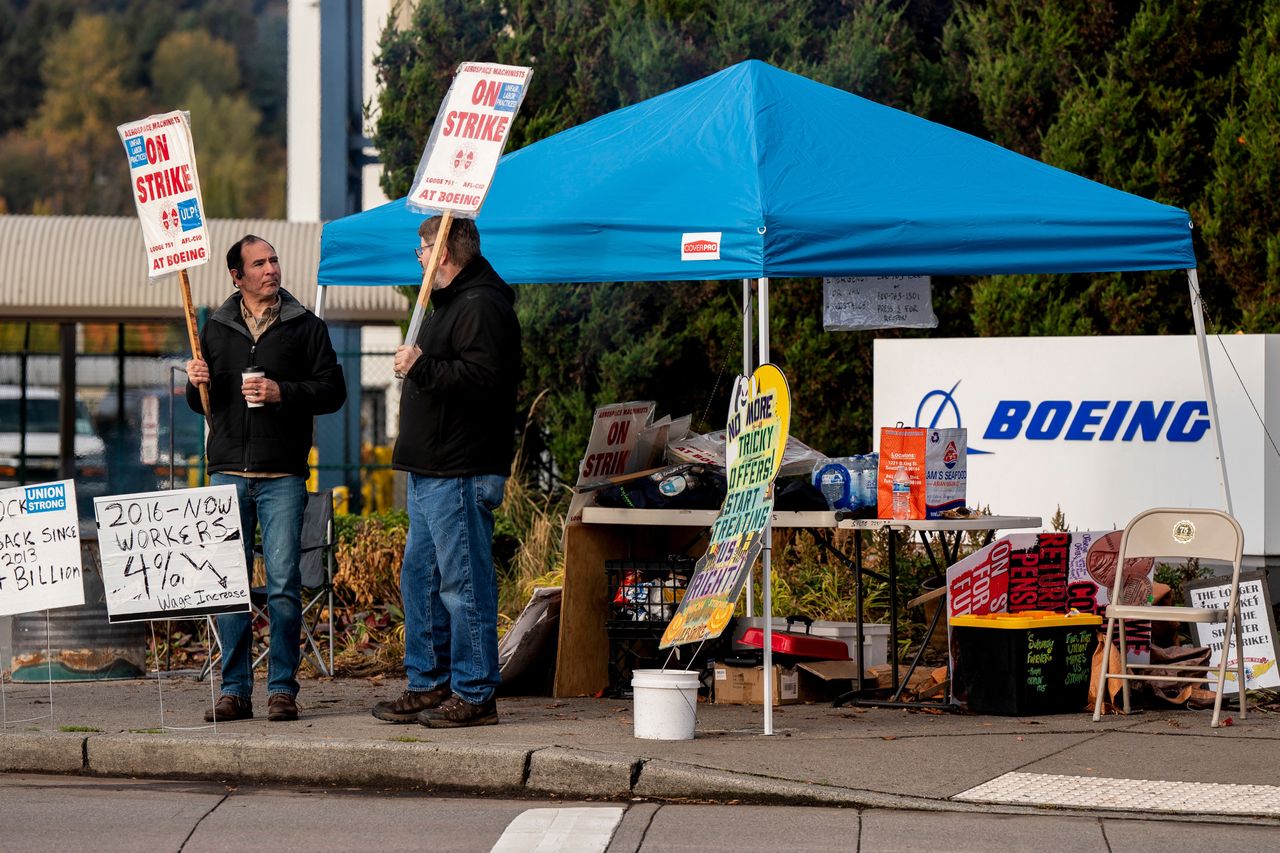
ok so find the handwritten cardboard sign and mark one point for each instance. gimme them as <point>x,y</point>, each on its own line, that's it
<point>1257,625</point>
<point>166,191</point>
<point>467,139</point>
<point>173,554</point>
<point>759,419</point>
<point>877,302</point>
<point>39,548</point>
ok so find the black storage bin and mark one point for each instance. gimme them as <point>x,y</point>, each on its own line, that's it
<point>1019,664</point>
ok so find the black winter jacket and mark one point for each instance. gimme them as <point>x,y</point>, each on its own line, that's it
<point>295,351</point>
<point>458,403</point>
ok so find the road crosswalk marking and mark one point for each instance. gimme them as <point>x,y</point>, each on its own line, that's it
<point>564,830</point>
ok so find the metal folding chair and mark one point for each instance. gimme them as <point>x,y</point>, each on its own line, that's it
<point>316,561</point>
<point>1182,534</point>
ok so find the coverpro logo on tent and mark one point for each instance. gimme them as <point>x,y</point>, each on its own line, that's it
<point>700,246</point>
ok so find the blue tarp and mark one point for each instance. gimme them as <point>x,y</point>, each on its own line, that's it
<point>800,179</point>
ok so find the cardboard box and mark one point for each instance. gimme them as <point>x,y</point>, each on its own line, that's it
<point>936,463</point>
<point>744,685</point>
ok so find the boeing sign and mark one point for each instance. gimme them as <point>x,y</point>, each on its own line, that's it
<point>1099,428</point>
<point>1099,420</point>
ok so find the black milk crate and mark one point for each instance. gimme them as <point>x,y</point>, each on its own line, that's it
<point>646,590</point>
<point>643,596</point>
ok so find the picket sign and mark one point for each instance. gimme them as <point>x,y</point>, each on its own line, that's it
<point>461,155</point>
<point>162,167</point>
<point>1258,628</point>
<point>173,554</point>
<point>757,426</point>
<point>40,565</point>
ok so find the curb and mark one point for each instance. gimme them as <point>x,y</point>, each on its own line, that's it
<point>508,770</point>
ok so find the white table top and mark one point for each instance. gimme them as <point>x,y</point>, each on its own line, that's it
<point>705,518</point>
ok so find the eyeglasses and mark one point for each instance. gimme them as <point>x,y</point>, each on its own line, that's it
<point>422,249</point>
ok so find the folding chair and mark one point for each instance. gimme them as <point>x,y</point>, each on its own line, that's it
<point>316,568</point>
<point>1177,533</point>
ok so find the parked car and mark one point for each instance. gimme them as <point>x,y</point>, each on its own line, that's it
<point>42,441</point>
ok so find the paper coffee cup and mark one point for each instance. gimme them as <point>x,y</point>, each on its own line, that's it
<point>252,373</point>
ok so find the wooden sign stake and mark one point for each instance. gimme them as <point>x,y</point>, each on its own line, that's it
<point>428,279</point>
<point>193,335</point>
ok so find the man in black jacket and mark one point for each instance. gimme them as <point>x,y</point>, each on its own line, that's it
<point>262,423</point>
<point>457,440</point>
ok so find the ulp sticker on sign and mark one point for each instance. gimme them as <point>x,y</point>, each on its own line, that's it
<point>700,246</point>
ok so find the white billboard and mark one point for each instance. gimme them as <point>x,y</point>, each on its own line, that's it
<point>1103,427</point>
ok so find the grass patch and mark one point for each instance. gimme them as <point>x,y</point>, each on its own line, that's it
<point>407,739</point>
<point>78,729</point>
<point>147,731</point>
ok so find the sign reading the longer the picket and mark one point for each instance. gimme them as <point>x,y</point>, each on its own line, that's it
<point>467,139</point>
<point>166,191</point>
<point>172,554</point>
<point>39,548</point>
<point>1259,653</point>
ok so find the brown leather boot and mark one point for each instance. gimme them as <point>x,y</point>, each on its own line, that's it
<point>406,707</point>
<point>455,713</point>
<point>281,708</point>
<point>229,708</point>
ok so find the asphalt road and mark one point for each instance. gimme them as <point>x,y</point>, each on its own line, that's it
<point>67,813</point>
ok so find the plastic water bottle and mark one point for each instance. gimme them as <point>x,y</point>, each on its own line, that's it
<point>871,480</point>
<point>901,493</point>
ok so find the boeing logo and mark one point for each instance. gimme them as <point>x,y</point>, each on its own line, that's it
<point>944,408</point>
<point>1074,420</point>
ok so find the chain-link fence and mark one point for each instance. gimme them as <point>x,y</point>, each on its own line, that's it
<point>133,429</point>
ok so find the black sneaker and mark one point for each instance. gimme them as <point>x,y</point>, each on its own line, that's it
<point>406,707</point>
<point>455,713</point>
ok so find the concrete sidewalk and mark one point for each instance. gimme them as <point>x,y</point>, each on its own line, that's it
<point>584,748</point>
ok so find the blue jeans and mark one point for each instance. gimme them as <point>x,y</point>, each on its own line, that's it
<point>449,585</point>
<point>277,504</point>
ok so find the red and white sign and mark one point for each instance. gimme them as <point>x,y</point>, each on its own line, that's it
<point>166,191</point>
<point>700,246</point>
<point>467,139</point>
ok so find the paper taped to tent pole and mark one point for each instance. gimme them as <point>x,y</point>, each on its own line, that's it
<point>166,191</point>
<point>173,554</point>
<point>39,548</point>
<point>855,303</point>
<point>467,139</point>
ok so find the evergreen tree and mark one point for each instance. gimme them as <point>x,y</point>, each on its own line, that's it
<point>1241,219</point>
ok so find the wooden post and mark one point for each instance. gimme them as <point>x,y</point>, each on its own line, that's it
<point>193,334</point>
<point>428,279</point>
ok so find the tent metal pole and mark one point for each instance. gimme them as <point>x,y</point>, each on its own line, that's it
<point>762,297</point>
<point>746,372</point>
<point>766,555</point>
<point>1197,314</point>
<point>320,292</point>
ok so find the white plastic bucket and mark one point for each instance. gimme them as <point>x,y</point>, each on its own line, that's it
<point>666,703</point>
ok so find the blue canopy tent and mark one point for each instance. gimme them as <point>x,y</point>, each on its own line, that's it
<point>798,179</point>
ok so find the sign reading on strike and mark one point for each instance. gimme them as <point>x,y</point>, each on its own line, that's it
<point>39,548</point>
<point>759,419</point>
<point>166,191</point>
<point>467,139</point>
<point>172,554</point>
